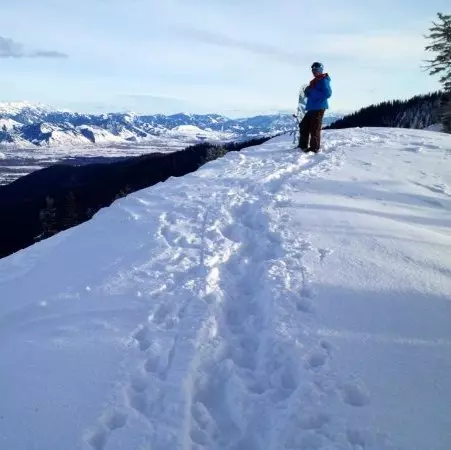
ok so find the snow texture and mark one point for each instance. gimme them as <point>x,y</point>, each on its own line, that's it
<point>271,300</point>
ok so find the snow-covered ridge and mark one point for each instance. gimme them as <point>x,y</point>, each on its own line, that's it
<point>28,125</point>
<point>269,301</point>
<point>14,108</point>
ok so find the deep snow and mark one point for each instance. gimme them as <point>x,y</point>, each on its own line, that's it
<point>271,300</point>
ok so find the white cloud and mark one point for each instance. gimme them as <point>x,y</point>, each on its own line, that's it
<point>12,49</point>
<point>376,46</point>
<point>221,40</point>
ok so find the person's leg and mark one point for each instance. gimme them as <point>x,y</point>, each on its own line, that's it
<point>304,131</point>
<point>316,124</point>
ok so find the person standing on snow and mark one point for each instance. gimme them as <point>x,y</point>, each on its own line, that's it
<point>317,93</point>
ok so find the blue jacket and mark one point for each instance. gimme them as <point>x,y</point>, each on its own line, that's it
<point>317,94</point>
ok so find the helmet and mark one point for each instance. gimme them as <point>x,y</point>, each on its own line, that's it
<point>317,67</point>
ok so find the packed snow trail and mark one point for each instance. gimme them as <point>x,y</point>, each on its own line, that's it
<point>271,300</point>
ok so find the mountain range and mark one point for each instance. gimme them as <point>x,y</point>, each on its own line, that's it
<point>25,125</point>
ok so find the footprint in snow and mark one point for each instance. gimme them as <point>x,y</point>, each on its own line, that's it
<point>324,253</point>
<point>304,305</point>
<point>98,439</point>
<point>152,364</point>
<point>313,421</point>
<point>356,438</point>
<point>139,383</point>
<point>284,379</point>
<point>203,427</point>
<point>114,419</point>
<point>142,339</point>
<point>355,393</point>
<point>317,359</point>
<point>304,301</point>
<point>138,401</point>
<point>110,421</point>
<point>160,314</point>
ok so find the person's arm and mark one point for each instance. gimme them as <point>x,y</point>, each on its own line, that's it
<point>326,88</point>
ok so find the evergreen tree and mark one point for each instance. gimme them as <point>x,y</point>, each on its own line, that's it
<point>446,116</point>
<point>440,35</point>
<point>215,153</point>
<point>70,211</point>
<point>417,112</point>
<point>123,192</point>
<point>47,218</point>
<point>89,213</point>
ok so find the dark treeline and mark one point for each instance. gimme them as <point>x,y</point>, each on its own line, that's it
<point>420,112</point>
<point>58,197</point>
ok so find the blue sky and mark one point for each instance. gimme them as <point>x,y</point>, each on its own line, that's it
<point>237,57</point>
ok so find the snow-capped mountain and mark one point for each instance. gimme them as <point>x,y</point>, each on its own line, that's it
<point>270,300</point>
<point>28,125</point>
<point>26,111</point>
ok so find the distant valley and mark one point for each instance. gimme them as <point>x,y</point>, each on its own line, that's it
<point>36,136</point>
